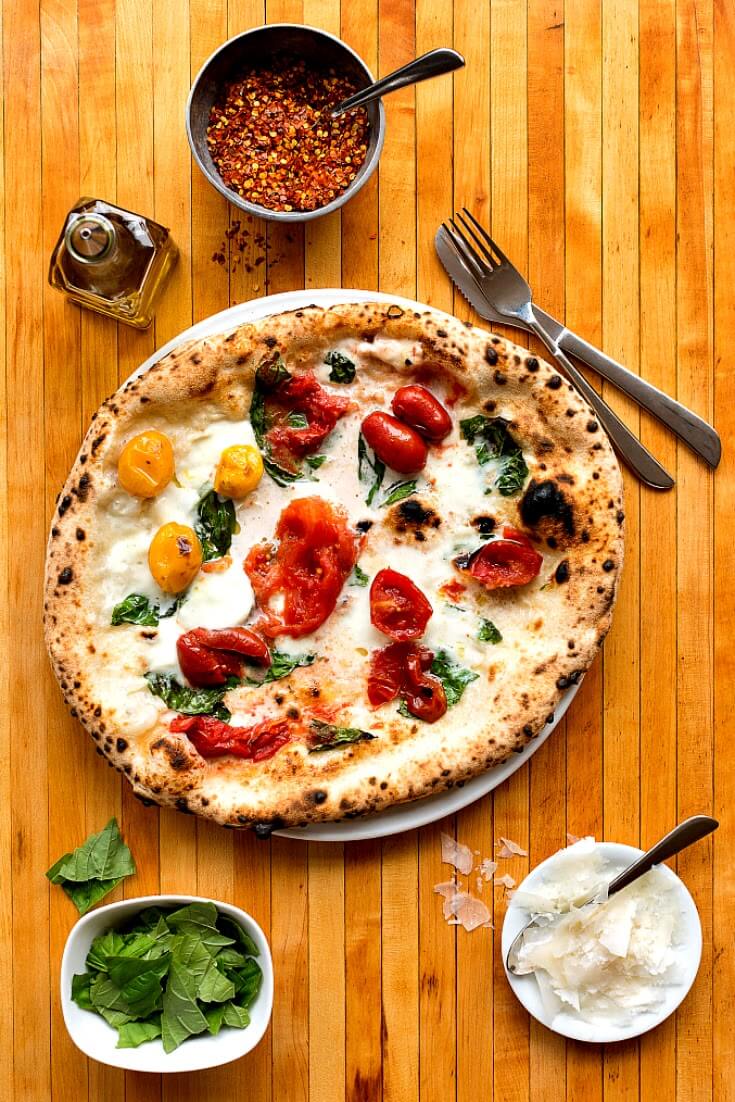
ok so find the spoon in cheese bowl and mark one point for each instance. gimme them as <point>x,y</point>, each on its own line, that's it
<point>685,834</point>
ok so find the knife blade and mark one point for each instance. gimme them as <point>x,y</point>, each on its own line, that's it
<point>700,436</point>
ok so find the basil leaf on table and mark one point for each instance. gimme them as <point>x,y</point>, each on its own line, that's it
<point>94,868</point>
<point>332,737</point>
<point>343,369</point>
<point>190,702</point>
<point>216,525</point>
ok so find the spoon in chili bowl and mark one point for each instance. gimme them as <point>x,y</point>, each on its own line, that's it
<point>432,64</point>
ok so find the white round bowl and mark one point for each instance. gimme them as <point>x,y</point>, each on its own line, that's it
<point>568,1024</point>
<point>97,1039</point>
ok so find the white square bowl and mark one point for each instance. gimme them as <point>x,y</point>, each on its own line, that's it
<point>97,1039</point>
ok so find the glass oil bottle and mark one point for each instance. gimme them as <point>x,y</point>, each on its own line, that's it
<point>112,261</point>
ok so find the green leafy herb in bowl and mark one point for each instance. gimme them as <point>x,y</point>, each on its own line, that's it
<point>141,977</point>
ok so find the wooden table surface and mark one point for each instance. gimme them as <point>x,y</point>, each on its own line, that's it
<point>599,142</point>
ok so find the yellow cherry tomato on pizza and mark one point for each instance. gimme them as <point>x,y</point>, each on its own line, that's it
<point>174,557</point>
<point>239,471</point>
<point>146,464</point>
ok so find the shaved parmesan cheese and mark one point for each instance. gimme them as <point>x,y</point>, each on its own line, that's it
<point>506,848</point>
<point>505,880</point>
<point>609,961</point>
<point>453,853</point>
<point>488,868</point>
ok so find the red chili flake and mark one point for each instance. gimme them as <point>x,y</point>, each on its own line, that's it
<point>275,143</point>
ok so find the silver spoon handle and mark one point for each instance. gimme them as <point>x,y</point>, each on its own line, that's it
<point>629,447</point>
<point>432,64</point>
<point>683,835</point>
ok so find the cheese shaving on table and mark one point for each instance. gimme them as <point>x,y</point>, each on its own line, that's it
<point>607,962</point>
<point>470,912</point>
<point>488,868</point>
<point>506,848</point>
<point>505,880</point>
<point>453,853</point>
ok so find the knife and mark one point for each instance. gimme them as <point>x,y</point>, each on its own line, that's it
<point>701,437</point>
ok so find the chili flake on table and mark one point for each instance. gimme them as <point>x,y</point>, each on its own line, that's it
<point>274,142</point>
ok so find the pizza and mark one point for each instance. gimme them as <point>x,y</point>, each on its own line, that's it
<point>333,560</point>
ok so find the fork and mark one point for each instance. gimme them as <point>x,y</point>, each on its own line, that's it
<point>510,295</point>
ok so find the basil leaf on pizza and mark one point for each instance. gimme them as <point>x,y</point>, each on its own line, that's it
<point>216,526</point>
<point>467,496</point>
<point>398,491</point>
<point>492,440</point>
<point>343,369</point>
<point>454,678</point>
<point>369,468</point>
<point>488,632</point>
<point>189,701</point>
<point>329,737</point>
<point>137,609</point>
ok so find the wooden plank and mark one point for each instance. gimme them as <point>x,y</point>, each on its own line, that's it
<point>658,511</point>
<point>471,178</point>
<point>509,223</point>
<point>6,804</point>
<point>62,330</point>
<point>28,760</point>
<point>363,987</point>
<point>546,276</point>
<point>437,941</point>
<point>620,338</point>
<point>397,273</point>
<point>723,950</point>
<point>694,140</point>
<point>583,230</point>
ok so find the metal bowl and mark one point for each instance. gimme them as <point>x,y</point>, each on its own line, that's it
<point>255,48</point>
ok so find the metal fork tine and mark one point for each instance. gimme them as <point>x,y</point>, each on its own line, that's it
<point>481,246</point>
<point>462,248</point>
<point>482,267</point>
<point>498,252</point>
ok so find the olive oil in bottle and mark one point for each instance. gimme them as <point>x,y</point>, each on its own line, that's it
<point>112,261</point>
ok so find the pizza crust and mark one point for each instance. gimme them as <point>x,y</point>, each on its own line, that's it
<point>576,509</point>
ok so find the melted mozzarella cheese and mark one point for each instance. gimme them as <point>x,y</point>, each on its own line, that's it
<point>217,600</point>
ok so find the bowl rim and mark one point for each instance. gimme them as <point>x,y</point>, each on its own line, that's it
<point>250,1036</point>
<point>643,1023</point>
<point>369,165</point>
